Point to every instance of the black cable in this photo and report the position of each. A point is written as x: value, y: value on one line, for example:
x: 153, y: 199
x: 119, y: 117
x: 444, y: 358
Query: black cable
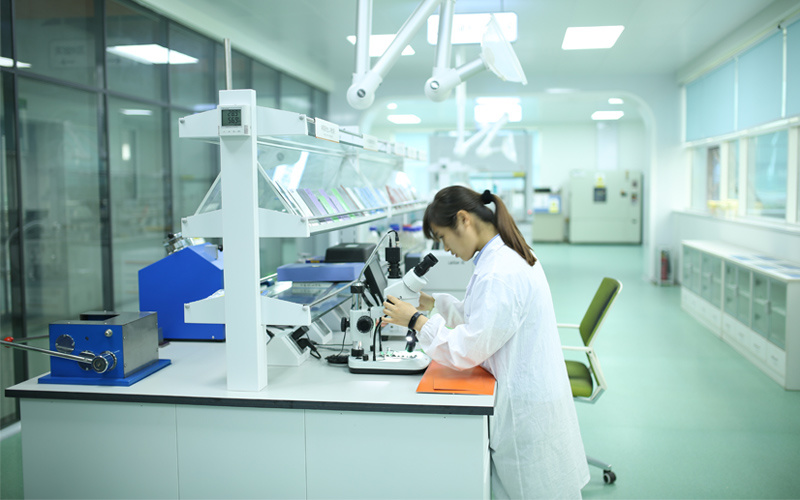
x: 339, y: 358
x: 303, y: 343
x: 375, y: 330
x: 344, y: 338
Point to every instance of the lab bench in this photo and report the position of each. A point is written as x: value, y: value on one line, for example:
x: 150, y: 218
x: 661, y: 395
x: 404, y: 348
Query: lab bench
x: 316, y: 431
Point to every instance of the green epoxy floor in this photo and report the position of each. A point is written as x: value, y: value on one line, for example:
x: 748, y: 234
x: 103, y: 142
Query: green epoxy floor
x: 685, y: 416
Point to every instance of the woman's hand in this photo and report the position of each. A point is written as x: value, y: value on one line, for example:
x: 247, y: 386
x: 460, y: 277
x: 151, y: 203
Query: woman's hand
x: 397, y: 312
x: 425, y: 302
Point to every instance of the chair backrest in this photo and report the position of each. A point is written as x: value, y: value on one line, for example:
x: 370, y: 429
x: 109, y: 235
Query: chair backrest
x: 601, y: 303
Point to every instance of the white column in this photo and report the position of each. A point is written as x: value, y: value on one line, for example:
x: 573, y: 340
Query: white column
x: 245, y: 335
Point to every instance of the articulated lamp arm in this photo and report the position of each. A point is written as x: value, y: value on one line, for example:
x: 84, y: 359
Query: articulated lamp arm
x: 366, y: 81
x: 496, y: 56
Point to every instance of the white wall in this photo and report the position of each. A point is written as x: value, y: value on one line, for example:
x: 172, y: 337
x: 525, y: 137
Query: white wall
x: 564, y: 148
x: 567, y: 147
x: 782, y: 243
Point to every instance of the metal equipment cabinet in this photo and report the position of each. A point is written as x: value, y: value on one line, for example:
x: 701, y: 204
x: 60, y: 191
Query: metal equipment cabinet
x: 605, y: 207
x: 750, y: 300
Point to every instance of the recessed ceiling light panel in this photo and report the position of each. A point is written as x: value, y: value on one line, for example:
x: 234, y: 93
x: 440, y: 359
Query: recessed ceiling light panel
x: 491, y: 109
x: 136, y: 112
x: 151, y: 54
x: 9, y: 63
x: 404, y: 119
x: 607, y: 115
x: 591, y: 37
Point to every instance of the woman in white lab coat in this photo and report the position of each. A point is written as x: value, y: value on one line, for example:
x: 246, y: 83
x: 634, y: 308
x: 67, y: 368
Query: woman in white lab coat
x: 507, y: 325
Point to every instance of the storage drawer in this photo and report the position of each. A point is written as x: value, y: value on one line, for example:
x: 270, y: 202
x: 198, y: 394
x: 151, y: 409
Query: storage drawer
x: 757, y: 345
x: 776, y: 359
x: 704, y: 312
x: 734, y: 330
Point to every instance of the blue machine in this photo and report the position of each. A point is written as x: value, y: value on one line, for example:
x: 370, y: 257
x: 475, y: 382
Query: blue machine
x: 115, y: 348
x: 189, y: 274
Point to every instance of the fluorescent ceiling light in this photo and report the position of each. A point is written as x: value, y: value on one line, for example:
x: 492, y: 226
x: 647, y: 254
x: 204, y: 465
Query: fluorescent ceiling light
x: 9, y: 63
x: 136, y: 112
x: 379, y: 43
x: 404, y: 119
x: 151, y: 54
x: 591, y: 37
x: 203, y: 107
x: 391, y: 105
x: 469, y: 28
x: 607, y: 115
x: 559, y: 91
x: 615, y: 100
x: 492, y: 109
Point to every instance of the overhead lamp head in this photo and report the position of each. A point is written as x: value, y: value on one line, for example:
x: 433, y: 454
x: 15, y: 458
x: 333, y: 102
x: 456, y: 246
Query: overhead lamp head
x: 497, y: 55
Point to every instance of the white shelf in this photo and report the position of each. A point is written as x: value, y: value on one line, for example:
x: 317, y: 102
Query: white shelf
x: 277, y: 169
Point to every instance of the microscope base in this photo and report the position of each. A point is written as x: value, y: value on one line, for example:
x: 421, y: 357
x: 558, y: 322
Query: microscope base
x: 391, y: 362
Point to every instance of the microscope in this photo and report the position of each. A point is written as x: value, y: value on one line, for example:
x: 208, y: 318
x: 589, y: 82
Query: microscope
x: 363, y: 323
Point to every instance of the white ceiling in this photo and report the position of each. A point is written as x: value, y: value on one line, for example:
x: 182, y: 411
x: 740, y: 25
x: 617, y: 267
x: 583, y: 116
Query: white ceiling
x: 307, y: 37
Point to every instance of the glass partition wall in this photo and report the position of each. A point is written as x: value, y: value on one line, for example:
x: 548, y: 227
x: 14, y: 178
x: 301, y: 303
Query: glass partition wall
x: 93, y: 174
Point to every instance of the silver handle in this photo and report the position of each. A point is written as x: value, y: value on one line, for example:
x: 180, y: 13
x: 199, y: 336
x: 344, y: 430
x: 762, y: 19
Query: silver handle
x: 79, y: 359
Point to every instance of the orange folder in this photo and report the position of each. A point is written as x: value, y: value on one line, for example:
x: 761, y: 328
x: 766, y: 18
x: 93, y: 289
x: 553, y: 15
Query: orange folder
x: 439, y: 379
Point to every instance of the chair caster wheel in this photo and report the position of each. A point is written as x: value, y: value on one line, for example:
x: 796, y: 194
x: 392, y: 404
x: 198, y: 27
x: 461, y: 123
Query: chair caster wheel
x: 609, y: 477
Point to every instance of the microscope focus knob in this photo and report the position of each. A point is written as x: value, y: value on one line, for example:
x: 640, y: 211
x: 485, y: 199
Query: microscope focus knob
x: 364, y: 324
x: 345, y: 323
x: 357, y: 288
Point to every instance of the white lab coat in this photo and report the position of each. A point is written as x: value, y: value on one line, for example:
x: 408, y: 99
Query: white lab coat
x: 507, y: 325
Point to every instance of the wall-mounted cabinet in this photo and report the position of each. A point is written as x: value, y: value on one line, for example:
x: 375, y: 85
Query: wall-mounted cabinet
x: 750, y: 300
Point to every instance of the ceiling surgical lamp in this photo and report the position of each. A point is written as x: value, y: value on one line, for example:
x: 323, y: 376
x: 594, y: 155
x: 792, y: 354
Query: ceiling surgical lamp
x: 496, y: 54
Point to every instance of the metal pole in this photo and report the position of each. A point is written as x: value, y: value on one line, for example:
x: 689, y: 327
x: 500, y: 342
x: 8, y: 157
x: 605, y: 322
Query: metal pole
x: 417, y: 19
x: 79, y: 359
x: 363, y: 33
x: 443, y: 45
x: 228, y: 72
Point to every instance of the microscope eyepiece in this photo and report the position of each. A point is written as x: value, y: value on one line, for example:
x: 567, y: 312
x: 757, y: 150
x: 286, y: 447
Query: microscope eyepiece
x: 428, y: 262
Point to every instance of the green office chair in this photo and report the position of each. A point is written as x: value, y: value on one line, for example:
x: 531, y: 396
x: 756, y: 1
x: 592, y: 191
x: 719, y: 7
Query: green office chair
x: 587, y: 379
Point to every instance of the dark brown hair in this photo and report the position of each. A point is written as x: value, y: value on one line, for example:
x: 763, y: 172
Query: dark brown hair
x: 447, y: 203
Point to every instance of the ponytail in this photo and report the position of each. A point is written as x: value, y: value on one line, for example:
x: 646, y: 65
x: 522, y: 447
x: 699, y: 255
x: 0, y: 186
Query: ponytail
x: 447, y: 203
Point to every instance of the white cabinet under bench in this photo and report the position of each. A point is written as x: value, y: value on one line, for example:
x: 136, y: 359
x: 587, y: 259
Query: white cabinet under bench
x: 750, y: 300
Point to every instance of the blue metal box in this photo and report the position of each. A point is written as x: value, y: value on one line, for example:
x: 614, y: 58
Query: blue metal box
x: 127, y: 341
x: 190, y: 274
